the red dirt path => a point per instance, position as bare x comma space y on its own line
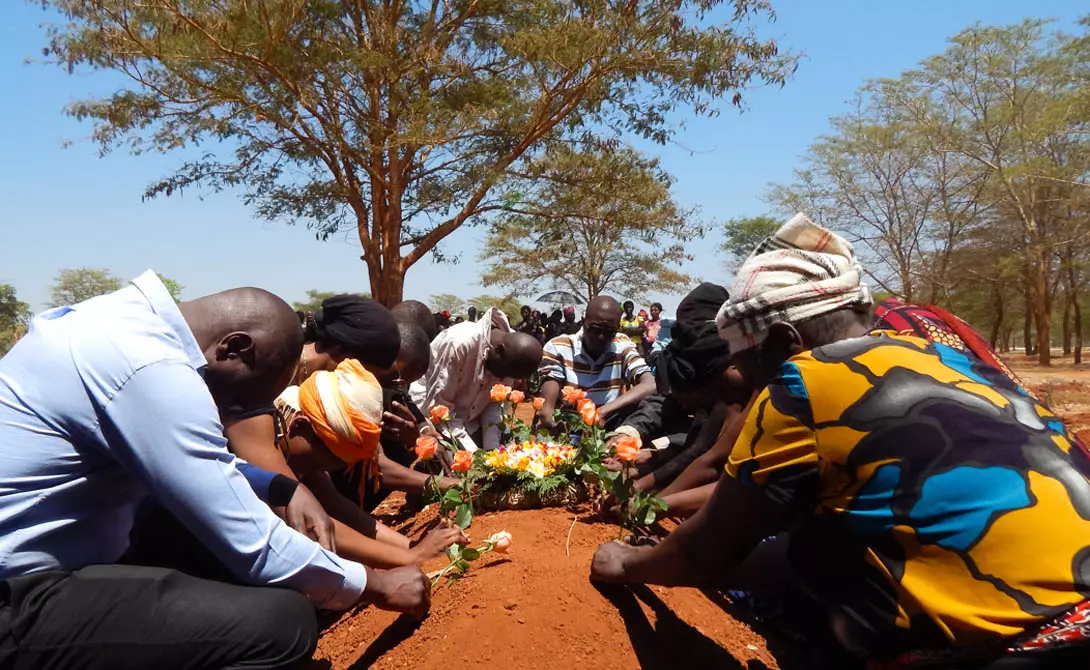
536, 608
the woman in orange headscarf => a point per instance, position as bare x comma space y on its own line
333, 420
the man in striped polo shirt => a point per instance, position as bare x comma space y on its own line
598, 360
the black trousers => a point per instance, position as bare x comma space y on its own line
120, 616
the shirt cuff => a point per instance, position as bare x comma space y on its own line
355, 581
259, 479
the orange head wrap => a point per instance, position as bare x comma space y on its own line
345, 409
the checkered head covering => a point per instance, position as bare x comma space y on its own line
801, 272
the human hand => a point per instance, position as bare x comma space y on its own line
399, 590
435, 543
305, 514
448, 483
608, 564
400, 424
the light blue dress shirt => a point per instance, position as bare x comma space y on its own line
101, 406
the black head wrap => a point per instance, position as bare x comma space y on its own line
362, 328
702, 304
696, 354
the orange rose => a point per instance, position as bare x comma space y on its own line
539, 404
583, 404
572, 395
500, 392
463, 461
440, 413
425, 447
589, 413
516, 397
627, 448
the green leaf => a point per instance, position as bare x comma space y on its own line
649, 516
471, 554
453, 496
464, 516
454, 551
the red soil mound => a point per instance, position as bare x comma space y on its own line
536, 608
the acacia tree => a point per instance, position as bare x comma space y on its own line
447, 302
591, 222
14, 315
401, 120
76, 285
1015, 96
743, 235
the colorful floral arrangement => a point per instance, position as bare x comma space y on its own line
536, 464
538, 459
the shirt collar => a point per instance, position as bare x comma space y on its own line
162, 303
577, 347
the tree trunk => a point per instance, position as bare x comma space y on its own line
1027, 322
1066, 325
1042, 312
997, 322
388, 286
1073, 301
1078, 327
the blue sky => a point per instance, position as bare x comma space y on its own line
66, 207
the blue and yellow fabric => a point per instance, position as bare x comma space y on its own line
938, 504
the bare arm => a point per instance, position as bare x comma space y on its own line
397, 477
708, 467
254, 440
360, 538
687, 503
550, 391
644, 387
704, 548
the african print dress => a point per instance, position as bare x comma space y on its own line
939, 506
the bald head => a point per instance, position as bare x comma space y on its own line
600, 324
414, 311
251, 340
604, 309
415, 354
517, 356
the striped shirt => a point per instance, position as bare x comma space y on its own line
604, 378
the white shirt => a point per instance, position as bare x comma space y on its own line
458, 379
102, 406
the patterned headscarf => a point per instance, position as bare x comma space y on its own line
801, 272
345, 409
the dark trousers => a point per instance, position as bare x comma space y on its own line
120, 616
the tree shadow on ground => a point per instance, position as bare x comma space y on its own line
396, 633
670, 642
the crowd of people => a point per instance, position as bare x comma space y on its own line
183, 485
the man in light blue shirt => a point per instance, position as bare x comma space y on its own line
115, 401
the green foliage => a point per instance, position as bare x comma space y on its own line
591, 222
14, 316
403, 121
543, 486
447, 302
315, 298
744, 234
507, 304
76, 285
173, 287
963, 182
